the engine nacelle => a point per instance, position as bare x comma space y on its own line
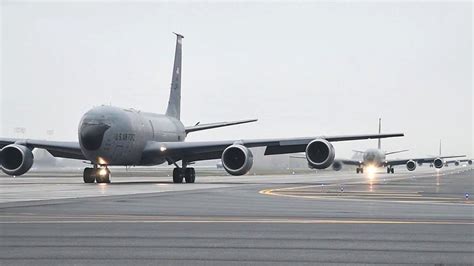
337, 165
15, 159
469, 162
237, 159
320, 153
456, 163
438, 163
411, 165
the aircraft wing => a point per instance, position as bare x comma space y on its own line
420, 160
461, 161
63, 149
206, 150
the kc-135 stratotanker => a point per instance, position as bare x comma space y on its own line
113, 136
377, 158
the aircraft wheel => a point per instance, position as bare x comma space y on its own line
361, 170
357, 170
177, 176
87, 176
190, 175
392, 170
388, 170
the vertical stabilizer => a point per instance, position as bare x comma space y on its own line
174, 103
379, 144
439, 147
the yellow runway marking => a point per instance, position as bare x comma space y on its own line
331, 192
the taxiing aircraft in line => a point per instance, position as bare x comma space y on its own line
126, 137
456, 162
377, 158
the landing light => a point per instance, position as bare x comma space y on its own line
103, 171
371, 170
162, 148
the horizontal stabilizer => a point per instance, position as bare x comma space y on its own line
393, 152
199, 127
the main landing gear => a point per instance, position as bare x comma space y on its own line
360, 170
188, 173
390, 170
97, 174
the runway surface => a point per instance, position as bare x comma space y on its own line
325, 217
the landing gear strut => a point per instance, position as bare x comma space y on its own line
97, 174
188, 173
390, 170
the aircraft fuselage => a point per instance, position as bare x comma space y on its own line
374, 157
115, 136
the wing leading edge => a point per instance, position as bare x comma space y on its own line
206, 150
63, 149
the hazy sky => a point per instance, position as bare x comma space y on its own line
303, 69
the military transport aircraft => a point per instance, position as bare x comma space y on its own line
127, 137
377, 158
456, 162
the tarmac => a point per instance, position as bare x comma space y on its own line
425, 216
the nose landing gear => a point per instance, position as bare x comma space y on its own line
97, 174
390, 170
360, 170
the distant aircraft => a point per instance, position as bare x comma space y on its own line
127, 137
456, 162
376, 158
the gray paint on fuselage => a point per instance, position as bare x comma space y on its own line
129, 132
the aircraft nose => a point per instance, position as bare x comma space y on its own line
92, 135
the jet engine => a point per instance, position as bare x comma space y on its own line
320, 153
237, 159
456, 163
438, 163
411, 165
15, 159
337, 165
469, 162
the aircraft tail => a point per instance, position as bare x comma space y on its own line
379, 143
174, 102
439, 147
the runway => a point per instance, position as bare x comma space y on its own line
324, 217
